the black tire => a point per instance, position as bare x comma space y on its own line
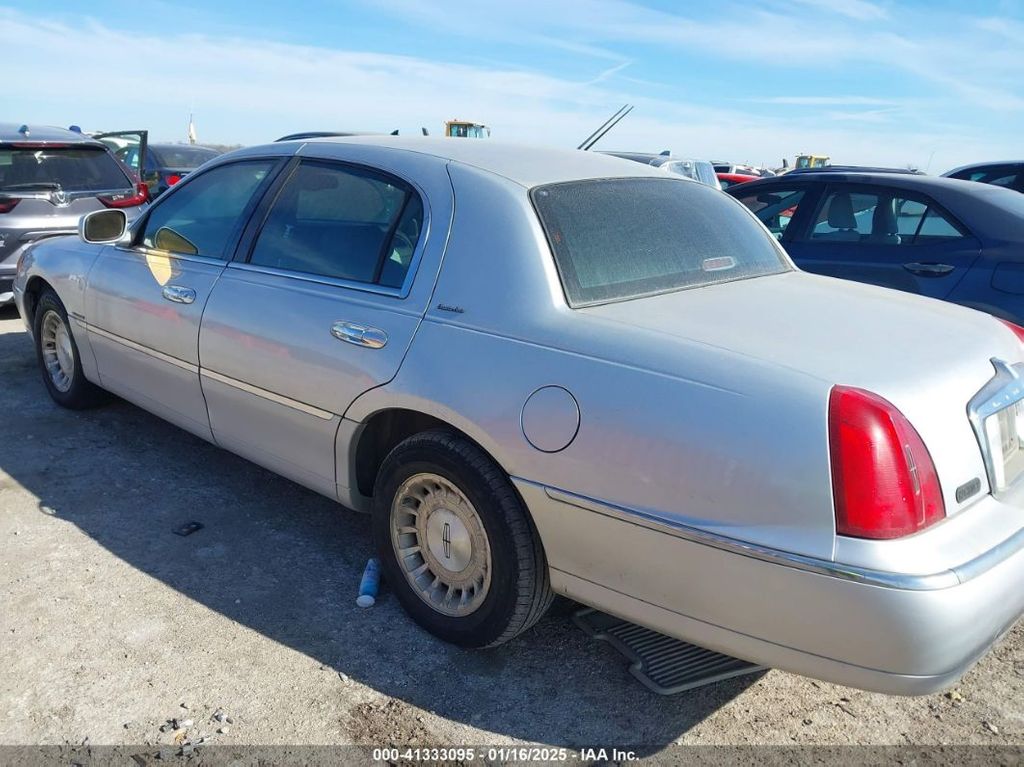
520, 590
80, 394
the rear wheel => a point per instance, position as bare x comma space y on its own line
59, 359
455, 542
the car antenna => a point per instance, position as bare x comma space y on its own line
608, 124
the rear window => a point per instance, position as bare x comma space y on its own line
615, 239
184, 157
73, 169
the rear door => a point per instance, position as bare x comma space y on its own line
144, 301
320, 306
895, 238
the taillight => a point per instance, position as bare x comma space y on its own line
127, 201
1017, 329
6, 206
883, 480
172, 179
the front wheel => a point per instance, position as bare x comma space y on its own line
456, 543
58, 356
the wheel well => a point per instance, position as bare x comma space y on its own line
34, 288
382, 433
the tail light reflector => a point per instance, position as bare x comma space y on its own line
127, 201
883, 479
172, 179
6, 206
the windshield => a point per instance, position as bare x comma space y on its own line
73, 169
614, 239
185, 157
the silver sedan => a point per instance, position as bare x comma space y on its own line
558, 372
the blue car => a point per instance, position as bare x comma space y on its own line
945, 238
1009, 174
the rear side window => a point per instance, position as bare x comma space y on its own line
615, 239
342, 222
73, 169
881, 218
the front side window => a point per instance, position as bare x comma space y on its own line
615, 239
774, 208
342, 222
881, 218
202, 216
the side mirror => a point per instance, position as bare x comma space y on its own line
102, 227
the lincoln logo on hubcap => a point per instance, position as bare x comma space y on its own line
446, 539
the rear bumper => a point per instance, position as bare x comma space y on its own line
886, 632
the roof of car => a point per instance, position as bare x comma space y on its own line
884, 178
980, 165
856, 169
525, 165
12, 132
178, 145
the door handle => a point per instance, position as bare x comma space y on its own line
928, 270
178, 294
360, 335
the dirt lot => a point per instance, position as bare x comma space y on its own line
109, 622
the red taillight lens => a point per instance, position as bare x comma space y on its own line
883, 479
128, 201
6, 206
1017, 329
173, 179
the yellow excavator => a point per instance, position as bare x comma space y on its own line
466, 129
812, 161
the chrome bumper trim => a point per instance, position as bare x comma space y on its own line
302, 407
139, 347
931, 582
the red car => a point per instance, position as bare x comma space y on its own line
732, 179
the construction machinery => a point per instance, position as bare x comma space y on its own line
465, 129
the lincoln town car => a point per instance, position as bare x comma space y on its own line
555, 372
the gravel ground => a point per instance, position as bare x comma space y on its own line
111, 625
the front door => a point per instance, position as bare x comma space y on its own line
319, 310
144, 300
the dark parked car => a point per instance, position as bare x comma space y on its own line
939, 237
166, 164
1008, 174
50, 177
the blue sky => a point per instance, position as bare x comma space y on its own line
933, 84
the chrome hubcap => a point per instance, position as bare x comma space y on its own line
58, 353
441, 544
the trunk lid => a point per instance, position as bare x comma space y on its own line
927, 357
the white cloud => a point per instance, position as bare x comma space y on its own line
824, 100
250, 90
854, 9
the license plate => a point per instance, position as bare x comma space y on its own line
1010, 420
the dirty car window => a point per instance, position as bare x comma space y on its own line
615, 239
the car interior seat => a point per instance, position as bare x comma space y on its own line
841, 219
884, 230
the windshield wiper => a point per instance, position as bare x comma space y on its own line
30, 186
